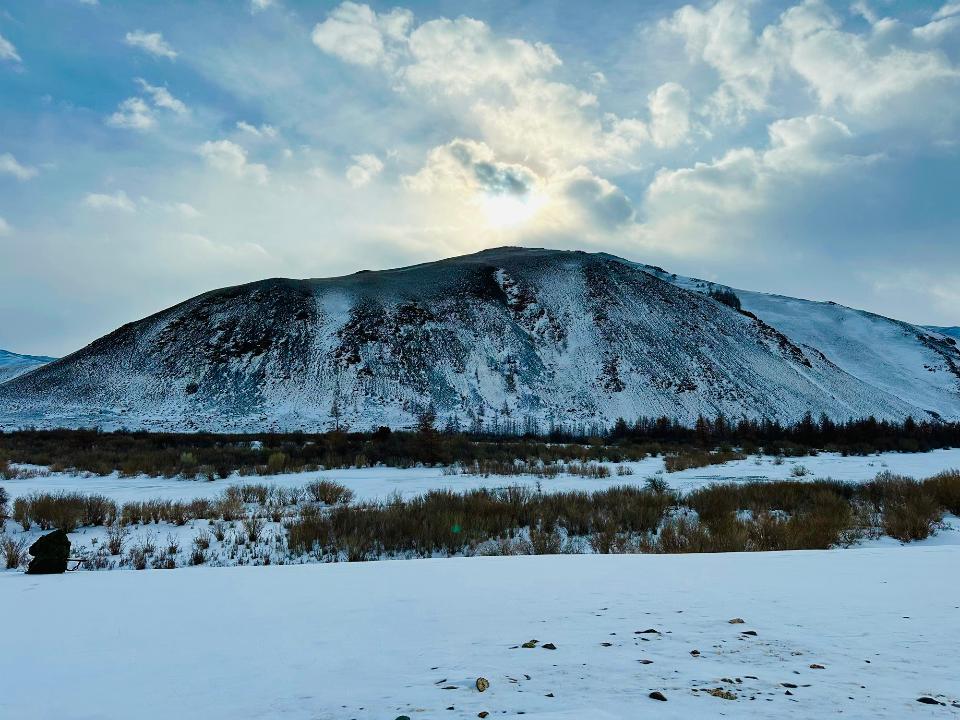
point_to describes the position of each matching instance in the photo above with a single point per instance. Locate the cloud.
(846, 71)
(944, 21)
(10, 166)
(364, 169)
(116, 201)
(358, 35)
(722, 37)
(260, 5)
(470, 164)
(467, 174)
(5, 228)
(8, 51)
(182, 209)
(604, 204)
(948, 10)
(264, 131)
(701, 201)
(151, 43)
(162, 97)
(231, 158)
(135, 113)
(500, 89)
(669, 115)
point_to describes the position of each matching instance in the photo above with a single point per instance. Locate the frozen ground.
(379, 482)
(377, 640)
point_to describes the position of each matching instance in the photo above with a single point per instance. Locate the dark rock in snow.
(657, 695)
(50, 554)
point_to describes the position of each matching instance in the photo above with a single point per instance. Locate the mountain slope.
(919, 365)
(953, 331)
(12, 364)
(505, 335)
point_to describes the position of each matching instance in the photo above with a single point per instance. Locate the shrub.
(727, 297)
(329, 492)
(253, 525)
(276, 463)
(444, 522)
(695, 458)
(945, 487)
(910, 510)
(116, 538)
(14, 551)
(254, 493)
(656, 484)
(63, 510)
(4, 497)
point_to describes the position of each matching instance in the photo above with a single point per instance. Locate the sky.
(153, 151)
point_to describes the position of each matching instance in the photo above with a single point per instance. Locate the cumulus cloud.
(846, 71)
(103, 201)
(722, 37)
(468, 174)
(604, 204)
(231, 158)
(151, 43)
(10, 166)
(669, 115)
(5, 228)
(358, 35)
(260, 5)
(470, 164)
(364, 169)
(500, 86)
(709, 194)
(8, 51)
(133, 114)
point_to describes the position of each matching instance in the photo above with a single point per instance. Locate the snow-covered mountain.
(953, 331)
(919, 365)
(503, 335)
(12, 364)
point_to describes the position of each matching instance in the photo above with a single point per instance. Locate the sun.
(504, 210)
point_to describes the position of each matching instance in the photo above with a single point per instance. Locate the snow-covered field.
(380, 640)
(382, 482)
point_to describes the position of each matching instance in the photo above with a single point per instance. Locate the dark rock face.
(50, 554)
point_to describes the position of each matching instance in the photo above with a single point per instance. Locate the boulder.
(50, 553)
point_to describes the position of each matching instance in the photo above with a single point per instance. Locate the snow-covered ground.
(380, 640)
(381, 482)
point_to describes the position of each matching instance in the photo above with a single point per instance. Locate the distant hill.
(509, 336)
(12, 364)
